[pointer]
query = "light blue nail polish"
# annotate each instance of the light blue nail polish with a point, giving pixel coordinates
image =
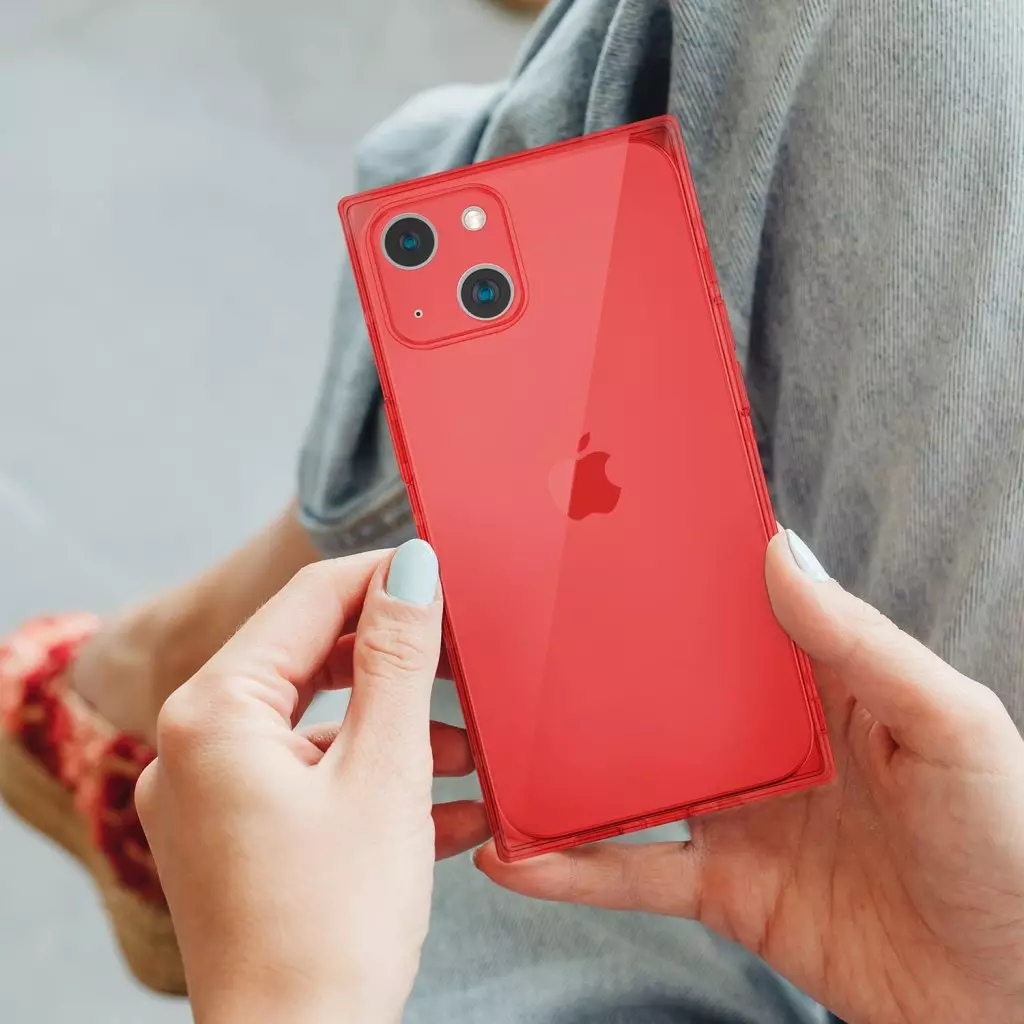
(412, 576)
(804, 557)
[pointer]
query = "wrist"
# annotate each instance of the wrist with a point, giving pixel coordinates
(244, 983)
(312, 1004)
(298, 997)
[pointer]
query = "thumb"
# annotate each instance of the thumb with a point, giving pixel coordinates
(857, 652)
(394, 661)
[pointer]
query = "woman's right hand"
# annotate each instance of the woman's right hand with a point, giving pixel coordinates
(893, 895)
(298, 865)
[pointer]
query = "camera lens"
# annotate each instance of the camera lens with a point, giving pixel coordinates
(409, 242)
(485, 292)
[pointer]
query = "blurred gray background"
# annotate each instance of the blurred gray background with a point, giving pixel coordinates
(168, 249)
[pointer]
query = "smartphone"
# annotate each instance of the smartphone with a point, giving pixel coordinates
(572, 427)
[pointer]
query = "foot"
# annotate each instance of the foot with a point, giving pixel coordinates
(78, 708)
(134, 663)
(69, 774)
(129, 667)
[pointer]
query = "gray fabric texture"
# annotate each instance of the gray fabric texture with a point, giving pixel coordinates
(860, 168)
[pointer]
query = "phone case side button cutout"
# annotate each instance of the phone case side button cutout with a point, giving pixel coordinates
(396, 441)
(733, 364)
(403, 460)
(741, 387)
(709, 266)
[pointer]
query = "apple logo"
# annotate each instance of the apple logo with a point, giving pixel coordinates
(581, 487)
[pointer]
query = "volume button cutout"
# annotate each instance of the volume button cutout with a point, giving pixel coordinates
(396, 441)
(739, 391)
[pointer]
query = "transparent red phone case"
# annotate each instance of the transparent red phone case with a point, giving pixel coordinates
(586, 469)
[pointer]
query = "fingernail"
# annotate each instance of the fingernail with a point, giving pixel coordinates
(478, 854)
(804, 557)
(412, 576)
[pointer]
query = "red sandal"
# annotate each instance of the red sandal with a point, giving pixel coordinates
(71, 775)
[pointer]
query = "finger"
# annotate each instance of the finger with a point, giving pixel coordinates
(459, 826)
(924, 702)
(397, 646)
(449, 745)
(337, 670)
(334, 674)
(657, 878)
(276, 660)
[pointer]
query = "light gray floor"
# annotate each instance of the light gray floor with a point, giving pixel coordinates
(168, 248)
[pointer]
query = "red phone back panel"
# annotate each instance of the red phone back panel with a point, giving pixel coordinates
(585, 468)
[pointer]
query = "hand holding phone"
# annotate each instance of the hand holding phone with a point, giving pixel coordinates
(895, 895)
(298, 864)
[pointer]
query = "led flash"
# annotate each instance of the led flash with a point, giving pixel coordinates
(473, 218)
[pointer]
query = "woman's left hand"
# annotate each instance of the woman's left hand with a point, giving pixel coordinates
(895, 895)
(298, 866)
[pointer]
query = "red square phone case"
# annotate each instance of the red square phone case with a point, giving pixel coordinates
(572, 427)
